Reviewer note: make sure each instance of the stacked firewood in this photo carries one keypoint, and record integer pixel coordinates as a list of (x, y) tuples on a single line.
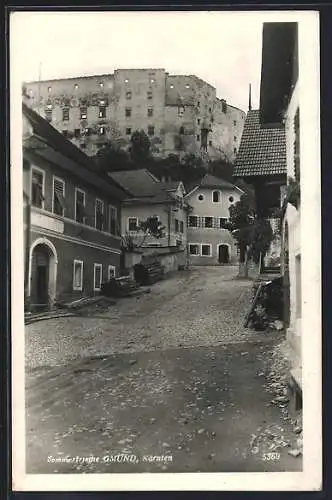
[(119, 287), (148, 273)]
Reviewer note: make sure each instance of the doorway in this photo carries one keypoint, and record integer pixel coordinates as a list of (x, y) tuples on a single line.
[(43, 265), (223, 254)]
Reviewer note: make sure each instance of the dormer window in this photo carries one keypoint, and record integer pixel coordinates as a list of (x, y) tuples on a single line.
[(216, 197)]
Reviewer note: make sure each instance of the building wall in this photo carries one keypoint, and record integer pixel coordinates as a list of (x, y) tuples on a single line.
[(167, 215), (87, 230), (166, 94), (64, 238), (213, 236), (294, 238), (67, 252)]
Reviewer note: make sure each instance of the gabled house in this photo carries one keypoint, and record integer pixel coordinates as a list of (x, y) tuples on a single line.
[(72, 216), (148, 197), (261, 163), (209, 243), (280, 105)]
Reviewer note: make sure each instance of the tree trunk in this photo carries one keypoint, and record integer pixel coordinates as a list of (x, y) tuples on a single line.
[(243, 267)]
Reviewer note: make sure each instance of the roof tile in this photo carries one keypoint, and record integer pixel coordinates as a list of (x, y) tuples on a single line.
[(262, 150)]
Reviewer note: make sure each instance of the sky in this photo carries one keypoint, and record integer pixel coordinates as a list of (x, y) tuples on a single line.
[(222, 48)]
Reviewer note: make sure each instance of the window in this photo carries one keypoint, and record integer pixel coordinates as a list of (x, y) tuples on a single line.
[(102, 131), (65, 133), (150, 130), (171, 86), (128, 131), (128, 112), (113, 219), (149, 95), (111, 272), (181, 227), (77, 133), (181, 111), (224, 106), (187, 86), (126, 80), (216, 196), (152, 80), (102, 111), (65, 114), (210, 143), (80, 215), (129, 95), (97, 276), (197, 137), (193, 249), (222, 222), (208, 222), (198, 104), (132, 223), (193, 221), (234, 123), (78, 275), (206, 250), (235, 138), (201, 197), (76, 86), (99, 215), (198, 121), (37, 188), (181, 130), (235, 151), (150, 111), (58, 207), (231, 199), (83, 112), (49, 89), (210, 109), (176, 225)]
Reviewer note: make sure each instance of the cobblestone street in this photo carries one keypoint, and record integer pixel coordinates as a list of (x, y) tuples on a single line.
[(171, 373)]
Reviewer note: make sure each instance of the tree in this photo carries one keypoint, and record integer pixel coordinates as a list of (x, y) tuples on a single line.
[(140, 146), (253, 236), (109, 159), (149, 227), (222, 168)]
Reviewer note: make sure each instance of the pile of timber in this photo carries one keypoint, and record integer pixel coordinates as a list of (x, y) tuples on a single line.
[(119, 287), (148, 273)]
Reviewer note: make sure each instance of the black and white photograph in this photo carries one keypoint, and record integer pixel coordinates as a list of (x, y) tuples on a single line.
[(165, 199)]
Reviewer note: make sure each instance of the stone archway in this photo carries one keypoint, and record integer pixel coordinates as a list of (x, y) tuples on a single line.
[(43, 261)]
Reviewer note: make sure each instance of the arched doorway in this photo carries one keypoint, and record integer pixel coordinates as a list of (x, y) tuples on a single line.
[(223, 254), (42, 274)]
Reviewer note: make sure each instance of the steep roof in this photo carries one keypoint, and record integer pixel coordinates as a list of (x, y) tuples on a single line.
[(211, 181), (142, 186), (52, 145), (262, 150)]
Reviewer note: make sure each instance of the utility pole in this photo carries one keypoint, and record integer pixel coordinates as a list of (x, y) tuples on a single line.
[(249, 106)]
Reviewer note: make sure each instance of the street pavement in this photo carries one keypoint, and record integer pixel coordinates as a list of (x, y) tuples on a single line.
[(169, 381)]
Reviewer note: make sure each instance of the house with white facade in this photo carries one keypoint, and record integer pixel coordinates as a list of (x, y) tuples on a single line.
[(209, 243), (148, 197)]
